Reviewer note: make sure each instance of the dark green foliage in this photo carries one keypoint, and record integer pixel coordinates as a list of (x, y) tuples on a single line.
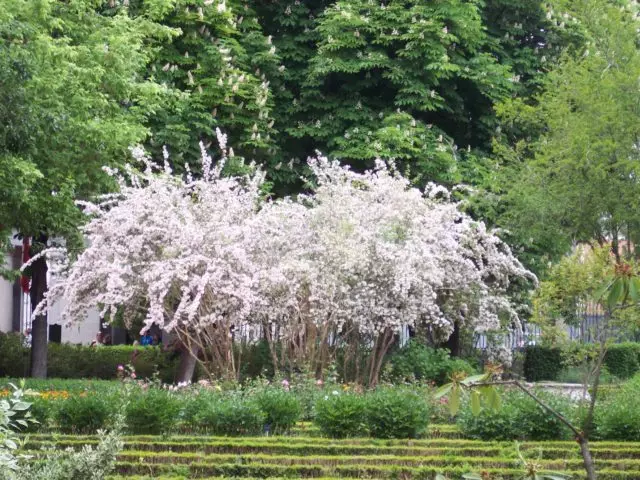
[(77, 361), (623, 359), (282, 409), (341, 415), (84, 413), (231, 416), (422, 363), (519, 418), (396, 413), (153, 411), (542, 363), (617, 417)]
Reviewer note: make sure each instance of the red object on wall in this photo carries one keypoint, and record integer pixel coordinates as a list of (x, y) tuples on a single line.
[(24, 280)]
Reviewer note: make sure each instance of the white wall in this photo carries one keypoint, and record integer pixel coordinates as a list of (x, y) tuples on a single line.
[(82, 332), (6, 301)]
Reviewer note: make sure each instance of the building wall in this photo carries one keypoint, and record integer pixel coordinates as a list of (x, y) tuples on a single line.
[(82, 333), (6, 301)]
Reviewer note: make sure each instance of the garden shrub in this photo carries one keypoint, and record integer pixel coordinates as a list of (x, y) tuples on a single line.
[(281, 409), (66, 360), (44, 411), (231, 416), (518, 418), (419, 362), (542, 363), (341, 415), (618, 416), (153, 411), (83, 413), (395, 413), (623, 359), (193, 404)]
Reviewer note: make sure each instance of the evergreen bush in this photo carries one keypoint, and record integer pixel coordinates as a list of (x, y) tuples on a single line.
[(282, 409), (153, 411), (518, 418), (231, 416), (419, 362), (83, 413), (542, 363), (341, 415), (618, 416), (394, 413)]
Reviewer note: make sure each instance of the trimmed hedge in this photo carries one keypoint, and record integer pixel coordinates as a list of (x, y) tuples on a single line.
[(542, 363), (77, 361), (623, 359), (545, 363)]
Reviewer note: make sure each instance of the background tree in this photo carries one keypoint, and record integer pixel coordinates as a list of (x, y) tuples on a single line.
[(77, 76), (573, 170), (221, 69)]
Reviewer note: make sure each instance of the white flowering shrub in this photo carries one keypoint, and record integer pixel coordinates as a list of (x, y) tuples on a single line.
[(358, 258)]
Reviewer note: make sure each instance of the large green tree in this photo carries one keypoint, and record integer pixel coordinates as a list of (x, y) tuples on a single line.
[(221, 69), (572, 160), (76, 100)]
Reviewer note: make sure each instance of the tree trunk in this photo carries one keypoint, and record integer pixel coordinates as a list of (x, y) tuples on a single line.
[(587, 459), (39, 326), (453, 344), (187, 366)]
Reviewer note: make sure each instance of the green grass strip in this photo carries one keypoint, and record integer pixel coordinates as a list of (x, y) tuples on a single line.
[(201, 470)]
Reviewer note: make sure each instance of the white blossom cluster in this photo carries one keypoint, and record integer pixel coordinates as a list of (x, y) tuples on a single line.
[(363, 250)]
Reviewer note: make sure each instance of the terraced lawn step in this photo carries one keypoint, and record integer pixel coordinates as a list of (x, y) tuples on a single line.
[(396, 453), (198, 470), (399, 461)]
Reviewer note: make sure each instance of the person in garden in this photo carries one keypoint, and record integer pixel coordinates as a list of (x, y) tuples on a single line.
[(146, 340)]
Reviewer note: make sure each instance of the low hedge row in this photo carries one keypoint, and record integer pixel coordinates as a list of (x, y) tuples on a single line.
[(77, 361), (545, 363), (386, 413)]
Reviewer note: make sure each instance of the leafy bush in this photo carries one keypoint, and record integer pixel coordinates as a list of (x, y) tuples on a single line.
[(419, 362), (44, 412), (393, 413), (231, 416), (623, 359), (518, 418), (618, 416), (542, 363), (153, 411), (77, 361), (83, 413), (341, 415), (282, 409)]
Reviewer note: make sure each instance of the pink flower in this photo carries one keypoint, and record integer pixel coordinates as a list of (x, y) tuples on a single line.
[(133, 375), (285, 383), (319, 382), (120, 368)]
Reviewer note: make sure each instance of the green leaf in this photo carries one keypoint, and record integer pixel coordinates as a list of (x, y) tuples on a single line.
[(475, 402), (615, 293), (20, 406), (442, 391), (599, 293), (454, 400), (475, 379), (493, 398), (634, 289), (555, 476)]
